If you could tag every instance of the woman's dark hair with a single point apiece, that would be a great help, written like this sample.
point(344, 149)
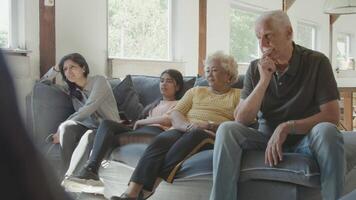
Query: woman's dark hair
point(178, 78)
point(79, 59)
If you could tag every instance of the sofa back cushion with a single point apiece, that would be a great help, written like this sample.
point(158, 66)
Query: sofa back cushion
point(147, 87)
point(127, 99)
point(350, 149)
point(114, 82)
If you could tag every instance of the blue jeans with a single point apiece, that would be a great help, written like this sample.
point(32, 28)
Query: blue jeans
point(324, 142)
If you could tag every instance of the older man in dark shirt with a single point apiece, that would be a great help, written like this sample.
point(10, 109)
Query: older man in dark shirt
point(293, 93)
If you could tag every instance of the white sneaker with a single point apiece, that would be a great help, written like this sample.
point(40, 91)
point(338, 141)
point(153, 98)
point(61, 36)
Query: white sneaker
point(87, 181)
point(82, 185)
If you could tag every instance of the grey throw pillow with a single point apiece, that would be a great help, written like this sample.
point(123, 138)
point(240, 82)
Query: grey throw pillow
point(188, 83)
point(147, 88)
point(127, 99)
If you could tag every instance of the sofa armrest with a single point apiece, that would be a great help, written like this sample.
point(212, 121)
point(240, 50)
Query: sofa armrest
point(49, 106)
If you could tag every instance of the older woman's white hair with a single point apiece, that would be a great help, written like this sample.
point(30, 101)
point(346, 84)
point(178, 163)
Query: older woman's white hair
point(225, 61)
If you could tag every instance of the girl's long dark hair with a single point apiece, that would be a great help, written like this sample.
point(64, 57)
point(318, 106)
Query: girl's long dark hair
point(178, 78)
point(74, 89)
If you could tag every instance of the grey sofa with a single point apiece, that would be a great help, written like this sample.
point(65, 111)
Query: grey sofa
point(296, 178)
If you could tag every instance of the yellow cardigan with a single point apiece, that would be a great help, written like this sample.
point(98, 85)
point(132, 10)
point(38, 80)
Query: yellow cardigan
point(199, 104)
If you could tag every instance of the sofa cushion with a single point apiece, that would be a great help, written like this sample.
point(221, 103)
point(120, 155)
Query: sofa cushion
point(127, 99)
point(295, 168)
point(201, 81)
point(129, 154)
point(350, 149)
point(197, 165)
point(148, 87)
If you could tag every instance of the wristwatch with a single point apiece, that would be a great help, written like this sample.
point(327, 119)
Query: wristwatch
point(291, 124)
point(211, 125)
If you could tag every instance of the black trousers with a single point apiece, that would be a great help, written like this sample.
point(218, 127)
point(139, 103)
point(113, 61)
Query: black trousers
point(106, 139)
point(163, 157)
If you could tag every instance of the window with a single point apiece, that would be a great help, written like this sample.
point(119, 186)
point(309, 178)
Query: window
point(343, 43)
point(4, 23)
point(12, 24)
point(306, 35)
point(243, 41)
point(139, 29)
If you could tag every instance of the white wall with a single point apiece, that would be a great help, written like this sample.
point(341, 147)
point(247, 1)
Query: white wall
point(218, 26)
point(31, 35)
point(312, 13)
point(186, 34)
point(21, 75)
point(81, 26)
point(345, 24)
point(25, 69)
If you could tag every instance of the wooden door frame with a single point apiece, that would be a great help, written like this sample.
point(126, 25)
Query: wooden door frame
point(202, 35)
point(47, 37)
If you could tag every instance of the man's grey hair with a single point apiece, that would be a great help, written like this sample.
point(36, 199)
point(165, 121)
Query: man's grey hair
point(277, 17)
point(225, 61)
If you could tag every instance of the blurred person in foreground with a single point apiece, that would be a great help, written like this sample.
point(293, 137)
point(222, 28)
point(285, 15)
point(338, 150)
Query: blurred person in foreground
point(24, 174)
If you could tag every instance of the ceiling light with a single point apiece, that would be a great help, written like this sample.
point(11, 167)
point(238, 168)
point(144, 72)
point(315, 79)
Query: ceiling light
point(340, 7)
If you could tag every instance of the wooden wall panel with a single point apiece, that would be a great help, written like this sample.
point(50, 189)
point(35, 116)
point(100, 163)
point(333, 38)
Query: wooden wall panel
point(332, 20)
point(47, 37)
point(286, 4)
point(202, 35)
